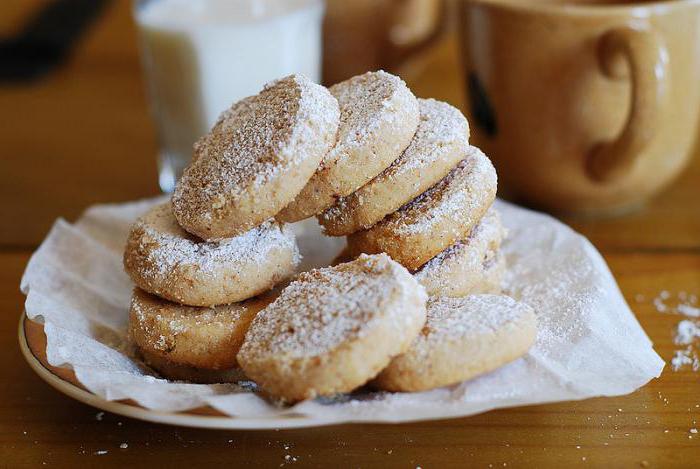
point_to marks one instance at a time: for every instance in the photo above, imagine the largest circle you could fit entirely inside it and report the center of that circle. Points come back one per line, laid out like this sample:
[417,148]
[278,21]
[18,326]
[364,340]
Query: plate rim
[133,410]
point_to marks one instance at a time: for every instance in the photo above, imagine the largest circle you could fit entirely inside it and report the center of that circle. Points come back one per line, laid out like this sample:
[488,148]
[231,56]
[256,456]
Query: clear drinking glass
[200,56]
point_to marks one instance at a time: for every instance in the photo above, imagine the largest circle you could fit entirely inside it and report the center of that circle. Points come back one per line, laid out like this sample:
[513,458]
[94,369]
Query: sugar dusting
[365,103]
[475,254]
[466,317]
[572,292]
[165,246]
[259,138]
[440,126]
[458,196]
[326,307]
[440,129]
[686,331]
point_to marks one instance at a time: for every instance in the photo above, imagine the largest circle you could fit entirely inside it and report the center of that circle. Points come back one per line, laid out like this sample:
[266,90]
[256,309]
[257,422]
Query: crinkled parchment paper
[589,342]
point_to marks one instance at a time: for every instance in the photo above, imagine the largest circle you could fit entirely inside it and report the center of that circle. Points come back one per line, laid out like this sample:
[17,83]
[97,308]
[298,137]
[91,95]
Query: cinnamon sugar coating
[378,118]
[256,158]
[437,146]
[333,329]
[436,219]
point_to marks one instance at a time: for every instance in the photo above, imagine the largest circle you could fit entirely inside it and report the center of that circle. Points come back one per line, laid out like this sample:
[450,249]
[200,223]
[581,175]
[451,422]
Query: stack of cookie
[430,209]
[196,260]
[393,173]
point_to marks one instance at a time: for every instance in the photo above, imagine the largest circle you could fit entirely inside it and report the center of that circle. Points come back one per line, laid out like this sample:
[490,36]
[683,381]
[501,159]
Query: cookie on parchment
[163,259]
[333,329]
[473,265]
[187,342]
[462,338]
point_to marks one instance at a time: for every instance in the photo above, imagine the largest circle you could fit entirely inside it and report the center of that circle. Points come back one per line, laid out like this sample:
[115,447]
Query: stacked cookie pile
[196,260]
[394,174]
[430,209]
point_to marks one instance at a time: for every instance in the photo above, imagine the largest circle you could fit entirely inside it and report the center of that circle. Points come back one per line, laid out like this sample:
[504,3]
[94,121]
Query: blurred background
[86,87]
[75,122]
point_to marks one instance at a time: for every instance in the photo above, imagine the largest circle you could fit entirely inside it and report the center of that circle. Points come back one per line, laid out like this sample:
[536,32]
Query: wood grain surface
[82,135]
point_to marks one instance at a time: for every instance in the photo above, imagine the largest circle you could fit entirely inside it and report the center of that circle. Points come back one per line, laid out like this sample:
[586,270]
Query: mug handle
[414,24]
[647,60]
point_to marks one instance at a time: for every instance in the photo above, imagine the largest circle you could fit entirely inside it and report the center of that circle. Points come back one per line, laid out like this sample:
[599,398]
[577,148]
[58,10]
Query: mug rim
[586,9]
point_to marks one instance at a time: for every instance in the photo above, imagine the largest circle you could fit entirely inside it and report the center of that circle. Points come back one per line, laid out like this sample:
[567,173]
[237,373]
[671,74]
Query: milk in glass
[200,56]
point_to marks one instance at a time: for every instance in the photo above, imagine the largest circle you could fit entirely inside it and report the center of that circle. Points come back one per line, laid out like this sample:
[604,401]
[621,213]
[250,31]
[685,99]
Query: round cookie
[470,266]
[462,338]
[256,158]
[190,343]
[163,259]
[378,117]
[333,329]
[437,146]
[436,219]
[449,280]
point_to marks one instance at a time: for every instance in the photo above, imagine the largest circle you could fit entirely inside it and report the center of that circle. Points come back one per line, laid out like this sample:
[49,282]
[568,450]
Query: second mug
[584,106]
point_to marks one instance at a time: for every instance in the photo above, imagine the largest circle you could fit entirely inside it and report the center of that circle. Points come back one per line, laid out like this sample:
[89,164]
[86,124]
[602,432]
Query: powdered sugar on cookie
[474,314]
[472,265]
[471,185]
[378,117]
[165,260]
[169,246]
[472,249]
[462,338]
[367,103]
[441,125]
[234,181]
[438,144]
[325,307]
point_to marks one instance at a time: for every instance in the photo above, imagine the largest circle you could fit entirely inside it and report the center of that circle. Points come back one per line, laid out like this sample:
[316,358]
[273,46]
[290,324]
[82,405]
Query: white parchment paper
[589,342]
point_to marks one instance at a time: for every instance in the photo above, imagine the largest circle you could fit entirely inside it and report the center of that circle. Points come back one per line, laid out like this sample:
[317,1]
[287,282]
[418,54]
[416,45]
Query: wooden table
[83,135]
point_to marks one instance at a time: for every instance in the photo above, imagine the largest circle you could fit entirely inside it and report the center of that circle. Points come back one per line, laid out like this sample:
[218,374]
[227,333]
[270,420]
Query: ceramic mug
[584,106]
[361,35]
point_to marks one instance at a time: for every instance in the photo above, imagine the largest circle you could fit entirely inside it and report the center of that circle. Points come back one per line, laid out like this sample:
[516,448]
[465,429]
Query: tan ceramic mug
[584,106]
[361,35]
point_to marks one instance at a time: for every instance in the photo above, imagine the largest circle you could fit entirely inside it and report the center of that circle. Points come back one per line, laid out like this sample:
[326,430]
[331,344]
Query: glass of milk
[200,56]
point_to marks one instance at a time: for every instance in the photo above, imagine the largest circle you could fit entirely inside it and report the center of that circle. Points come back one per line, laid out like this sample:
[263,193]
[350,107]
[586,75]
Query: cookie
[462,338]
[333,329]
[473,265]
[256,158]
[378,117]
[175,372]
[437,146]
[163,259]
[436,219]
[190,343]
